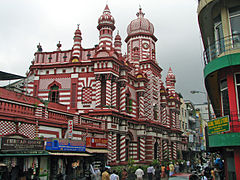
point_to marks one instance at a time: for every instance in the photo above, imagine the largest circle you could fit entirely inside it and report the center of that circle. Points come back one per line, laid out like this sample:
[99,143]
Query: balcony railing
[221,46]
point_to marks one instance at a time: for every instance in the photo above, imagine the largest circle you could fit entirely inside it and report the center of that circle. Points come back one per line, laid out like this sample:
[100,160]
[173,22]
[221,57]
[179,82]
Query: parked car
[184,176]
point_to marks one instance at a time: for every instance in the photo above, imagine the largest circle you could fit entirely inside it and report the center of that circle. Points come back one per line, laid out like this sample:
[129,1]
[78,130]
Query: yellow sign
[218,125]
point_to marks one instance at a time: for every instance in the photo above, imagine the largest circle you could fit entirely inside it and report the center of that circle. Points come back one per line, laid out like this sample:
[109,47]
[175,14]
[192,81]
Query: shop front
[68,159]
[98,148]
[23,158]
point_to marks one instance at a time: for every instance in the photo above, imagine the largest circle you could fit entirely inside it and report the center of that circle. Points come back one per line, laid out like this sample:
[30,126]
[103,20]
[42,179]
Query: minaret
[77,45]
[106,28]
[170,81]
[118,43]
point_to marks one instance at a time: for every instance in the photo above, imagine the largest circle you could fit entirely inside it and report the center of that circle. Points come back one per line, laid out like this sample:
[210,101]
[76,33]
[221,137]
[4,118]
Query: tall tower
[170,81]
[220,29]
[106,27]
[77,45]
[118,43]
[140,40]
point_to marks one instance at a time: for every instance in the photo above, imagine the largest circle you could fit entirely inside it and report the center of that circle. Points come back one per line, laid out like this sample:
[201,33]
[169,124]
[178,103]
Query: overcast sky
[25,23]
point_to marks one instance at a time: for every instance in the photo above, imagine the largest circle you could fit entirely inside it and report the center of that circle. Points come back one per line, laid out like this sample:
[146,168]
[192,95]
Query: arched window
[54,93]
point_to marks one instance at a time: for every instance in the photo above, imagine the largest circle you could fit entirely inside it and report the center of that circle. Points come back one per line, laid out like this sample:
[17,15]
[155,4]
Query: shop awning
[24,154]
[100,151]
[68,154]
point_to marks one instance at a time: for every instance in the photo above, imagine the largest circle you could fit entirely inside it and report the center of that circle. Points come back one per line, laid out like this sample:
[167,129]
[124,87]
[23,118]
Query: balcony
[224,46]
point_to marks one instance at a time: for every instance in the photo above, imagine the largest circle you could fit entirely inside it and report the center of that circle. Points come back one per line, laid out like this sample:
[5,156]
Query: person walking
[139,173]
[124,174]
[158,173]
[171,169]
[114,176]
[163,171]
[150,172]
[105,174]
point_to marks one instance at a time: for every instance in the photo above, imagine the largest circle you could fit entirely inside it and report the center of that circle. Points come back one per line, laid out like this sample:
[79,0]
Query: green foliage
[155,162]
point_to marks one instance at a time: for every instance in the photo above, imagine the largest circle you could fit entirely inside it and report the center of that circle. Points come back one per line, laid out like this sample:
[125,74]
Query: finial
[78,26]
[39,47]
[59,45]
[117,32]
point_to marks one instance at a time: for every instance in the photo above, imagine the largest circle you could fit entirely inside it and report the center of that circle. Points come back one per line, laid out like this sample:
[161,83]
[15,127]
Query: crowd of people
[163,172]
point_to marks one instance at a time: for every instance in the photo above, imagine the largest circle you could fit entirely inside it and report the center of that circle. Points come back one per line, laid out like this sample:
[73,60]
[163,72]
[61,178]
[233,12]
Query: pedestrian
[171,169]
[139,173]
[124,174]
[114,176]
[97,174]
[163,171]
[158,173]
[188,166]
[105,174]
[167,170]
[150,172]
[177,168]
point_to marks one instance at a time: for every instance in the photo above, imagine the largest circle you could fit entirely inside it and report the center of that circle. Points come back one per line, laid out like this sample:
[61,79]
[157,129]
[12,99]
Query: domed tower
[106,27]
[170,81]
[140,40]
[77,45]
[118,43]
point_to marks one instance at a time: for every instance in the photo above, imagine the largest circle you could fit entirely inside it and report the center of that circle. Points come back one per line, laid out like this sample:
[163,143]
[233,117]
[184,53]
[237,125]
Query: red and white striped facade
[123,94]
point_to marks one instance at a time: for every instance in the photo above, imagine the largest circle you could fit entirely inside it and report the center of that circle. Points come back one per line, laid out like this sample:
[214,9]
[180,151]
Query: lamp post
[208,102]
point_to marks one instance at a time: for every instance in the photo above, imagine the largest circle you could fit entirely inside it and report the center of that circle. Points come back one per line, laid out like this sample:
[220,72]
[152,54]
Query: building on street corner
[220,29]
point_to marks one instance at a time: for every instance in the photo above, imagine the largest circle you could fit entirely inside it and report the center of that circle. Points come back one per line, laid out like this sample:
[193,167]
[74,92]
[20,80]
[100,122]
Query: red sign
[96,142]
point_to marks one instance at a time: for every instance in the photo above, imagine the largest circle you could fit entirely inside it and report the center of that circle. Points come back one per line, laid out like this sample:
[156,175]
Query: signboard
[190,138]
[70,129]
[218,125]
[96,142]
[21,144]
[66,145]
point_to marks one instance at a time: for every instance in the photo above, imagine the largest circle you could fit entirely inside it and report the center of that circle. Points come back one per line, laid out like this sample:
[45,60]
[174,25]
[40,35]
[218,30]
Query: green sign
[218,125]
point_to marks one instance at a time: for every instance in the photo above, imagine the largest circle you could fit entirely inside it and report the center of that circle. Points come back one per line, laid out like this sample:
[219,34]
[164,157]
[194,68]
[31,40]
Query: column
[98,90]
[114,94]
[159,150]
[141,104]
[142,148]
[108,78]
[114,147]
[122,148]
[170,151]
[165,149]
[110,146]
[123,96]
[174,150]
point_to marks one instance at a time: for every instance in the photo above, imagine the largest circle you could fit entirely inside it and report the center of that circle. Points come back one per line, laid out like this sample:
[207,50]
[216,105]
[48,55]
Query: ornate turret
[106,27]
[77,45]
[118,43]
[170,81]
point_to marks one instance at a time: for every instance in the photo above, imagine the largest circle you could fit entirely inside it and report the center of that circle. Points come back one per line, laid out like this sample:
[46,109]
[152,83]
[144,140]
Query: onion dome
[140,25]
[106,19]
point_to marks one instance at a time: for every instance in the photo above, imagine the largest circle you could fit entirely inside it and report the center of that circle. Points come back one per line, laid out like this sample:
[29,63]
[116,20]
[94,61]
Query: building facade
[219,25]
[118,97]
